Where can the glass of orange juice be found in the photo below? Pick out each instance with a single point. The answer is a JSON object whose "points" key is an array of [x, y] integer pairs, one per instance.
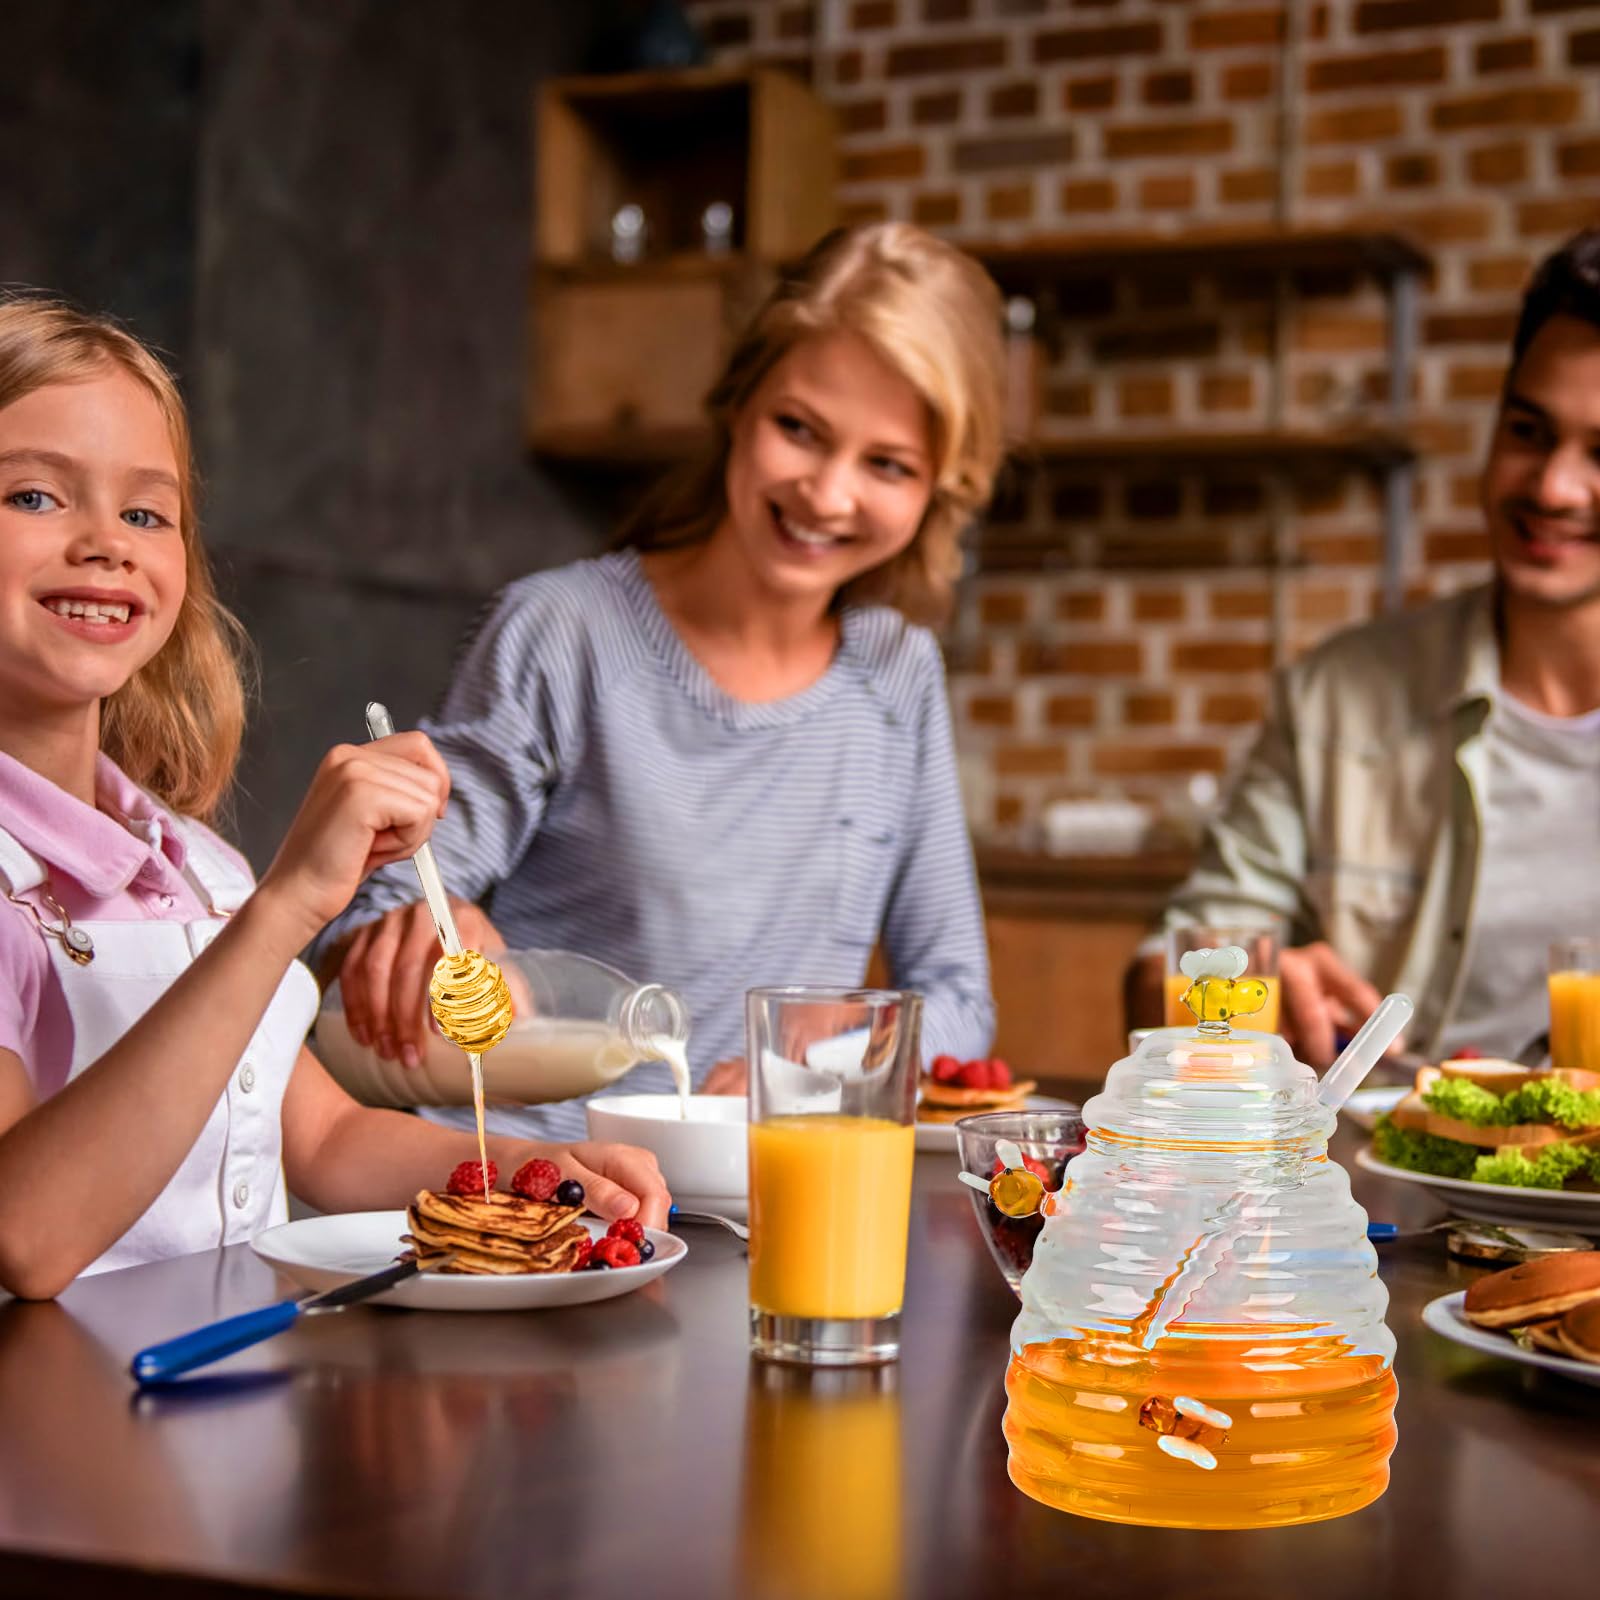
{"points": [[1260, 941], [833, 1081], [1575, 1003]]}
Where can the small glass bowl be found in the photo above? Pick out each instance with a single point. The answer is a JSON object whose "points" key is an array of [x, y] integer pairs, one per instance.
{"points": [[1052, 1138]]}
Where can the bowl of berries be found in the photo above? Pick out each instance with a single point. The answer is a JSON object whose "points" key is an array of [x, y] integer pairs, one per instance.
{"points": [[1047, 1140]]}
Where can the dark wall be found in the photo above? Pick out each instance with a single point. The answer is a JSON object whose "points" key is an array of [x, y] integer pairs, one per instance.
{"points": [[99, 143], [322, 209]]}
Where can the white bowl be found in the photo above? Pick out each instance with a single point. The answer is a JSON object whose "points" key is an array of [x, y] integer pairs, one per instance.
{"points": [[703, 1155]]}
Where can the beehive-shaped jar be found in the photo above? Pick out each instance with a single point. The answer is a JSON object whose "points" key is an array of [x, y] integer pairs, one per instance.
{"points": [[1201, 1342]]}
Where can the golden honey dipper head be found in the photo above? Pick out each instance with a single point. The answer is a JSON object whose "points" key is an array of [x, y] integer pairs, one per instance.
{"points": [[470, 1001]]}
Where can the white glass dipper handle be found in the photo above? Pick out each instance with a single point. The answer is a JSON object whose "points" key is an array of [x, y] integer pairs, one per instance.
{"points": [[380, 725], [1360, 1056]]}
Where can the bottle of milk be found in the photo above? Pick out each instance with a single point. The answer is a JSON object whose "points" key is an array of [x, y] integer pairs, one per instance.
{"points": [[579, 1025]]}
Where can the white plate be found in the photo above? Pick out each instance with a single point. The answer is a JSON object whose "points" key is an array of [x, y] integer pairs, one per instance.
{"points": [[942, 1135], [1365, 1106], [325, 1252], [1444, 1317], [1498, 1202]]}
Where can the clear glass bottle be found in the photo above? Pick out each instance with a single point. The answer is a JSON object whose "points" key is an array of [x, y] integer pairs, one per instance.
{"points": [[579, 1025], [1202, 1340]]}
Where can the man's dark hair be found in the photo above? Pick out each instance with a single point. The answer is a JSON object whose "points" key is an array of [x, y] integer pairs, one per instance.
{"points": [[1567, 284]]}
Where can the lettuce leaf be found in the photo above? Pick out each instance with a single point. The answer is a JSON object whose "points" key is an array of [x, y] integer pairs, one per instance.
{"points": [[1546, 1168], [1422, 1152]]}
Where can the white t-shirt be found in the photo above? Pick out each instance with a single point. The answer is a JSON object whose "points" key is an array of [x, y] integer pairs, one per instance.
{"points": [[1538, 875]]}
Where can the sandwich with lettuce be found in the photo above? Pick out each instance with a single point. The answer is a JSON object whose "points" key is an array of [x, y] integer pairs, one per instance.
{"points": [[1496, 1122]]}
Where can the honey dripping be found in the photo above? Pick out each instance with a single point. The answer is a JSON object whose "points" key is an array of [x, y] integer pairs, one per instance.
{"points": [[472, 1005]]}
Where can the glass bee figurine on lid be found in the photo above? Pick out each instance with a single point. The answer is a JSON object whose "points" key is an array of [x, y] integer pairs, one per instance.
{"points": [[1202, 1340]]}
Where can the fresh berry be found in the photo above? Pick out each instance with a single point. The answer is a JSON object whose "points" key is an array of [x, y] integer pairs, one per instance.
{"points": [[974, 1075], [999, 1074], [646, 1249], [570, 1193], [629, 1228], [536, 1180], [616, 1253], [585, 1251], [945, 1069], [468, 1179]]}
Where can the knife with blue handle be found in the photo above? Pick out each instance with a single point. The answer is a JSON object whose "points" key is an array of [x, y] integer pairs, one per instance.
{"points": [[163, 1362]]}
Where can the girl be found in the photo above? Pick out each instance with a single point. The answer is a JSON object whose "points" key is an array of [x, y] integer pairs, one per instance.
{"points": [[721, 756], [154, 1091]]}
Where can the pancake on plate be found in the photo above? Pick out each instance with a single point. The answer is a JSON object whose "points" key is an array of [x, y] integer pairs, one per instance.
{"points": [[497, 1233], [1534, 1291]]}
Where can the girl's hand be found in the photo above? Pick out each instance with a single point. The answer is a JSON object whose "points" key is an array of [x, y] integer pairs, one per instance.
{"points": [[385, 973], [368, 805], [619, 1180]]}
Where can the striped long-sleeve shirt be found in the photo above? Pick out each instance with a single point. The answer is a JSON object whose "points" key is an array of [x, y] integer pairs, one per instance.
{"points": [[611, 799]]}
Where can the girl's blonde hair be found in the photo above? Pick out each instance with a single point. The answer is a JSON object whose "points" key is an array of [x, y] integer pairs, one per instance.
{"points": [[176, 725], [933, 314]]}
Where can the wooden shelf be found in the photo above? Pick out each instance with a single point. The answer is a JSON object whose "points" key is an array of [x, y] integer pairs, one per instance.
{"points": [[1375, 448], [1035, 263]]}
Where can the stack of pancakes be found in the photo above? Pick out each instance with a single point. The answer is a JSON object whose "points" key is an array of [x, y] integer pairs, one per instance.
{"points": [[1553, 1302], [493, 1233], [950, 1102]]}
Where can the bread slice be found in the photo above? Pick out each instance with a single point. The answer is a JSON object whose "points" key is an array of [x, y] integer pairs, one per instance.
{"points": [[1412, 1115], [1501, 1077]]}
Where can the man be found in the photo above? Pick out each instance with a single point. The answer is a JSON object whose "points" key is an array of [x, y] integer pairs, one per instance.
{"points": [[1422, 807]]}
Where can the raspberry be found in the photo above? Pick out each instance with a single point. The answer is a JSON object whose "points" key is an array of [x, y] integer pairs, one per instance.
{"points": [[999, 1074], [944, 1069], [468, 1179], [536, 1180], [629, 1228], [974, 1075], [616, 1253], [585, 1251]]}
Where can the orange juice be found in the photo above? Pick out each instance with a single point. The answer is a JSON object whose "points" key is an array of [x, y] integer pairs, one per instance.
{"points": [[1575, 1020], [830, 1199], [1312, 1429], [1178, 1014]]}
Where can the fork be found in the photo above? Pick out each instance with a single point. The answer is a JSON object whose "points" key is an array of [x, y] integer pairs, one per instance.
{"points": [[737, 1229]]}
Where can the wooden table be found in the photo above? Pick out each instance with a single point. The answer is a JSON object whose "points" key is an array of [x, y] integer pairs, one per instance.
{"points": [[633, 1449]]}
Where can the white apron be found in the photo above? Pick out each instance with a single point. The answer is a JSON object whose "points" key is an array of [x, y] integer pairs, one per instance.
{"points": [[230, 1185]]}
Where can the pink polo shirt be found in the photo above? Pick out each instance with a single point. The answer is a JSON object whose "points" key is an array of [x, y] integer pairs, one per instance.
{"points": [[118, 861]]}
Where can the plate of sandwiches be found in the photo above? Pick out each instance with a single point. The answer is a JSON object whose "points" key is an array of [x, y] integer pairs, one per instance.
{"points": [[1542, 1313], [950, 1090], [494, 1252], [1497, 1141]]}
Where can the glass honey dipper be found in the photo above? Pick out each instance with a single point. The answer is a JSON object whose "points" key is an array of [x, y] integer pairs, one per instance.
{"points": [[467, 994]]}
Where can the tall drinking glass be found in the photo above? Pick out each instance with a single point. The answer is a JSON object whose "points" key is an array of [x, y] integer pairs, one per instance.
{"points": [[1575, 1004], [1260, 941], [833, 1079]]}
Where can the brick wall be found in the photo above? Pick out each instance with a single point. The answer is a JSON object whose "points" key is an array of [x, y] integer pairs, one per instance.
{"points": [[1136, 650]]}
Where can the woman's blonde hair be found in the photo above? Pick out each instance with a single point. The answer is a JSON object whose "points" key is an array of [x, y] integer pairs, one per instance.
{"points": [[933, 314], [176, 725]]}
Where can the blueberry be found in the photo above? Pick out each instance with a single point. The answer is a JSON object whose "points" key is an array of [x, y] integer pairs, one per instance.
{"points": [[569, 1193], [645, 1249]]}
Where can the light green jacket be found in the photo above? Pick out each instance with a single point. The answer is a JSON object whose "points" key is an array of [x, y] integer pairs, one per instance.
{"points": [[1357, 818]]}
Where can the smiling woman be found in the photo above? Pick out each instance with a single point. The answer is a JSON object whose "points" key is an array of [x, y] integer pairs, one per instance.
{"points": [[721, 756]]}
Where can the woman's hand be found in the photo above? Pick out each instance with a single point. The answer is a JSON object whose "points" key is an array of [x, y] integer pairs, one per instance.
{"points": [[1322, 997], [727, 1077], [385, 973], [619, 1180], [367, 805]]}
